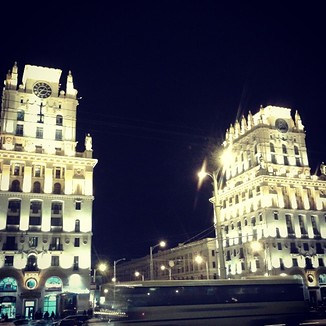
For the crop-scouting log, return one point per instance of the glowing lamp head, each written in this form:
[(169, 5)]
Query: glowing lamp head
[(162, 244)]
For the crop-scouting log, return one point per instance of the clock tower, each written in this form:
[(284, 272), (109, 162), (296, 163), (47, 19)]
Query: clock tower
[(46, 196)]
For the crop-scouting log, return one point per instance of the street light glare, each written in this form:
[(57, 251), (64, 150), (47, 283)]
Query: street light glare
[(102, 267), (256, 246), (162, 244), (199, 259), (201, 174)]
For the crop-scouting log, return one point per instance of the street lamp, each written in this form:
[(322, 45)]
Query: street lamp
[(101, 268), (199, 259), (115, 269), (163, 268), (151, 266), (218, 228), (137, 274)]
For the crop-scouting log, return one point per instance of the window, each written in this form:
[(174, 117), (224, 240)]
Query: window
[(58, 172), (272, 148), (31, 263), (253, 221), (284, 149), (38, 149), (17, 169), (8, 284), (37, 187), (76, 263), (14, 206), (57, 188), (56, 244), (296, 150), (39, 132), (59, 120), (77, 226), (78, 205), (56, 208), (19, 130), (35, 220), (38, 171), (58, 134), (9, 260), (77, 242), (15, 186), (20, 115), (36, 207), (56, 221), (33, 241), (54, 260)]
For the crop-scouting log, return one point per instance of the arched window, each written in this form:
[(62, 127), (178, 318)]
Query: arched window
[(296, 150), (53, 283), (31, 263), (37, 187), (15, 186), (8, 284), (57, 188), (77, 226)]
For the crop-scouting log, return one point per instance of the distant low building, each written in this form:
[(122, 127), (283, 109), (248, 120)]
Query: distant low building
[(195, 260)]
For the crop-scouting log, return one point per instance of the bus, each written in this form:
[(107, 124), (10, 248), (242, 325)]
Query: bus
[(66, 304), (254, 301)]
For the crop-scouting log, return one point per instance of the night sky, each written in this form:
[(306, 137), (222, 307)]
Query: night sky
[(160, 82)]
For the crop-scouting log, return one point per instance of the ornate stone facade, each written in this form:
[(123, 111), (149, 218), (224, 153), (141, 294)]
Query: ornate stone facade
[(46, 194)]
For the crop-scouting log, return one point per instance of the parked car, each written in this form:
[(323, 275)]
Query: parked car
[(72, 320)]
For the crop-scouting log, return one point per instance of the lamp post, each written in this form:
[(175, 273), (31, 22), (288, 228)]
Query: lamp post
[(102, 268), (151, 265), (217, 222), (163, 267), (115, 269), (199, 259), (137, 274)]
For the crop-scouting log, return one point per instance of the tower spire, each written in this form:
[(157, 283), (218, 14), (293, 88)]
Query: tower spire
[(70, 90)]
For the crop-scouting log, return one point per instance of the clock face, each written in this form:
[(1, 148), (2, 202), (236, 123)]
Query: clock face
[(42, 90), (281, 125)]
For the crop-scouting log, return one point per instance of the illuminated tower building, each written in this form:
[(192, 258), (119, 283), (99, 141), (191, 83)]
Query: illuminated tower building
[(46, 196), (271, 199)]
